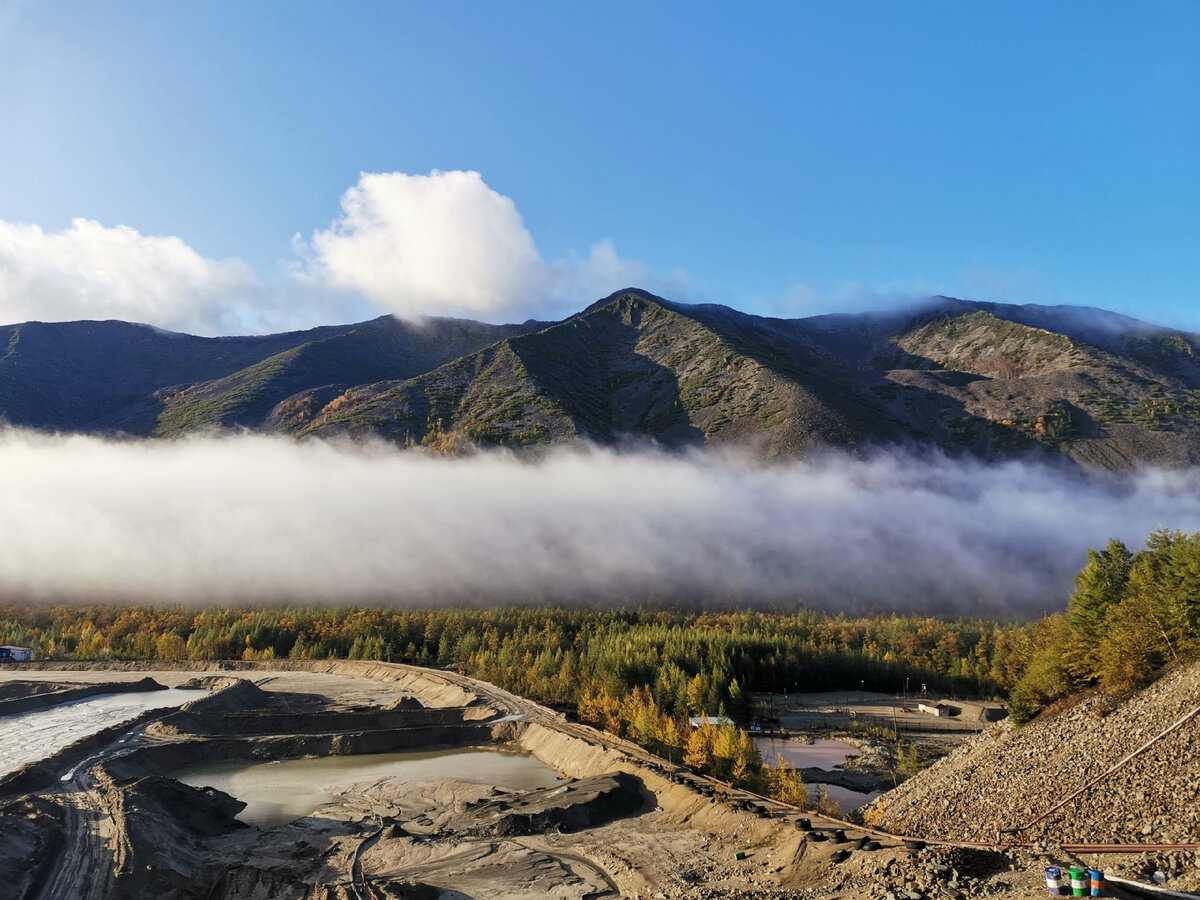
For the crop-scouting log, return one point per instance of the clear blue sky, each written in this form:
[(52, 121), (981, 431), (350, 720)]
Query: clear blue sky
[(1018, 151)]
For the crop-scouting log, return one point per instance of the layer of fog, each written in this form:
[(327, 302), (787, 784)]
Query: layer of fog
[(257, 519)]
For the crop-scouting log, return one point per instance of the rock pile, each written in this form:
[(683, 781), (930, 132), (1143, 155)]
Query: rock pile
[(1006, 778)]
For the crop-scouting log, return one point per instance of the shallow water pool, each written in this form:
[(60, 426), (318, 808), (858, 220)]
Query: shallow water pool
[(276, 793)]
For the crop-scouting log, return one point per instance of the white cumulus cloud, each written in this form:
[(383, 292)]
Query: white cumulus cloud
[(92, 271), (448, 244), (411, 245)]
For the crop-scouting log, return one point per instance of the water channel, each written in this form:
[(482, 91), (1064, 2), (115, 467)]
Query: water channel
[(31, 736), (276, 793)]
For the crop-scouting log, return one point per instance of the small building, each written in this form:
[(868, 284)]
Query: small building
[(697, 721), (933, 709), (15, 654)]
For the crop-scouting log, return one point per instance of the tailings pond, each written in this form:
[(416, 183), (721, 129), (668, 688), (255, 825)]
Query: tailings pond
[(276, 793), (821, 754), (31, 736)]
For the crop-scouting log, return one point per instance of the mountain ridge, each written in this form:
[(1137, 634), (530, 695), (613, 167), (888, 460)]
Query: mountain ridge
[(983, 378)]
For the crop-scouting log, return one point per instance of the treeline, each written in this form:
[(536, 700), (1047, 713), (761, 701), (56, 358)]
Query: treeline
[(1132, 615), (691, 662)]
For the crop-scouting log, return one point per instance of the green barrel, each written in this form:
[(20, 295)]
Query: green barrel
[(1081, 883)]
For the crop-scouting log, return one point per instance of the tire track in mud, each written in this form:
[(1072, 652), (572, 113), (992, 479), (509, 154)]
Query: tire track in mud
[(83, 869)]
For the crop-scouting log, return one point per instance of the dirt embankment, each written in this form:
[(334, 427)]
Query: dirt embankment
[(162, 832), (228, 695), (168, 756), (424, 684), (579, 804), (11, 689), (259, 723)]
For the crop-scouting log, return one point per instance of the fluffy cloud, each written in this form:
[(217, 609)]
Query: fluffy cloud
[(448, 244), (412, 245), (251, 518), (90, 271)]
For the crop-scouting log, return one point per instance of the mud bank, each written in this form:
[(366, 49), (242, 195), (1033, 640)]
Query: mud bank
[(32, 837), (11, 689), (580, 804), (166, 757), (250, 723)]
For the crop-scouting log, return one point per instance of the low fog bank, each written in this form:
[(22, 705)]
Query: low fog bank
[(256, 519)]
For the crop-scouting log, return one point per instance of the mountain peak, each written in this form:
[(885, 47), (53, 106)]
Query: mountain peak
[(623, 299)]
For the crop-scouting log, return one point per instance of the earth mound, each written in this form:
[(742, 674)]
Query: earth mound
[(573, 806)]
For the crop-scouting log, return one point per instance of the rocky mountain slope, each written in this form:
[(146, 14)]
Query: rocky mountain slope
[(120, 377), (982, 378)]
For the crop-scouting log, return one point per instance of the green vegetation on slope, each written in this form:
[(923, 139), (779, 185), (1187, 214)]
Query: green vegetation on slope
[(1132, 614)]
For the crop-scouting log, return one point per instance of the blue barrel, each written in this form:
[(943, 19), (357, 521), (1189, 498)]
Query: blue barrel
[(1054, 882)]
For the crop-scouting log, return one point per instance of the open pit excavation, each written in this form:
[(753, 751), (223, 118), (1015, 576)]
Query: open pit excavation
[(322, 780)]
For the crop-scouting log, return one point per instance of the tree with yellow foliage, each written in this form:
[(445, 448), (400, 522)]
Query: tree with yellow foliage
[(699, 752)]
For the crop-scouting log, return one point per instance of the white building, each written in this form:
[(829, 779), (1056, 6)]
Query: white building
[(696, 721)]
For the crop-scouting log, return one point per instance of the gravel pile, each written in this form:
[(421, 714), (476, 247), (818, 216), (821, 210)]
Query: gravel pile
[(1007, 777)]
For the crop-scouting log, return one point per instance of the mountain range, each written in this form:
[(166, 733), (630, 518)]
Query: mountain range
[(988, 379)]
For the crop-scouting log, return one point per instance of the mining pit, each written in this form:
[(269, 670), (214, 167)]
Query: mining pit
[(374, 780)]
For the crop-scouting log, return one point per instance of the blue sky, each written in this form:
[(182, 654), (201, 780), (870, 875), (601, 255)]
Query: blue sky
[(782, 158)]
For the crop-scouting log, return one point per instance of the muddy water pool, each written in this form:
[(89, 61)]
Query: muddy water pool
[(846, 799), (30, 736), (276, 793), (820, 754)]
